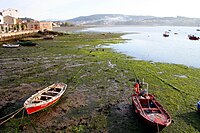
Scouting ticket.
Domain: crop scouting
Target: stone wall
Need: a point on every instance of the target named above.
(16, 35)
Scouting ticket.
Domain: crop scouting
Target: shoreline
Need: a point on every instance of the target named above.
(70, 29)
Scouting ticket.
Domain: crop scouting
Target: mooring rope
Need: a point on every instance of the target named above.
(32, 124)
(158, 128)
(14, 113)
(22, 115)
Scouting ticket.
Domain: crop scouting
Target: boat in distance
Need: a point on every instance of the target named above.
(44, 98)
(10, 45)
(193, 37)
(166, 34)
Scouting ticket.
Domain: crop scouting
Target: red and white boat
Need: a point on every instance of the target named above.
(44, 98)
(151, 111)
(10, 45)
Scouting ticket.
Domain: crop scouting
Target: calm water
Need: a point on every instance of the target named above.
(149, 44)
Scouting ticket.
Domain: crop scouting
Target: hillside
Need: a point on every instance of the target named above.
(119, 19)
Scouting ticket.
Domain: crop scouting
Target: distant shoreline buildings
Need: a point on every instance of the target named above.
(10, 22)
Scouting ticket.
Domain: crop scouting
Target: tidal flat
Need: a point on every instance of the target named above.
(100, 84)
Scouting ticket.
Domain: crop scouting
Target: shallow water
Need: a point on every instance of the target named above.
(148, 43)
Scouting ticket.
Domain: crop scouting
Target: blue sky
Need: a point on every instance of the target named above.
(67, 9)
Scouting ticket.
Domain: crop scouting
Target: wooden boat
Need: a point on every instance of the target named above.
(26, 43)
(192, 37)
(10, 45)
(151, 112)
(166, 34)
(44, 98)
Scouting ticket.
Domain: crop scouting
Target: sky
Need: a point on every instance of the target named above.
(68, 9)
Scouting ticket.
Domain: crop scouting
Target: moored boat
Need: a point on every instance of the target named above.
(26, 43)
(151, 111)
(192, 37)
(10, 45)
(166, 34)
(44, 98)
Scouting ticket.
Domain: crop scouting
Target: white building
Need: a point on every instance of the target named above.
(11, 12)
(1, 18)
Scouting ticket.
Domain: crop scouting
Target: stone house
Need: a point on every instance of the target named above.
(33, 26)
(46, 26)
(40, 26)
(9, 20)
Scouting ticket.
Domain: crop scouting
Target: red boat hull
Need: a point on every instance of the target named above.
(192, 37)
(44, 98)
(154, 115)
(34, 109)
(154, 126)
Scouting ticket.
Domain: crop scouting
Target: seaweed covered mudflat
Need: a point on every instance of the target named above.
(99, 83)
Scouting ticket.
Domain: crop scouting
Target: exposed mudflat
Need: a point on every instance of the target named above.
(99, 87)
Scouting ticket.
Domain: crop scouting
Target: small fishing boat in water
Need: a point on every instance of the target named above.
(192, 37)
(44, 98)
(150, 111)
(166, 34)
(10, 45)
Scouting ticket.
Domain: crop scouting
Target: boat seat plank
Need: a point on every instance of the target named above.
(37, 101)
(46, 96)
(154, 109)
(53, 91)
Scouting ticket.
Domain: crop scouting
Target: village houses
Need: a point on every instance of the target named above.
(10, 22)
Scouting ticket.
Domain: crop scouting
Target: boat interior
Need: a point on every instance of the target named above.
(47, 95)
(149, 106)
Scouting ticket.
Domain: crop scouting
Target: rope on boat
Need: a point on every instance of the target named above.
(14, 113)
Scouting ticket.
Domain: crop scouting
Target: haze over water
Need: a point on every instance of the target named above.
(150, 45)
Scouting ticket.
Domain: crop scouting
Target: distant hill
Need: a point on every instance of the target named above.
(119, 19)
(52, 20)
(107, 19)
(26, 19)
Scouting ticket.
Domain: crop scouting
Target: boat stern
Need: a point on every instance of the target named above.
(198, 106)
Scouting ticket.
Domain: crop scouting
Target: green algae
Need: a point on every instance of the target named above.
(99, 85)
